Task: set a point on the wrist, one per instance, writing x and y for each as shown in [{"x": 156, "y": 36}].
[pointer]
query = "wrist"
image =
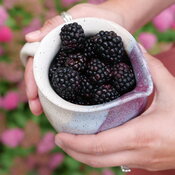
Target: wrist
[
  {"x": 119, "y": 9},
  {"x": 136, "y": 13}
]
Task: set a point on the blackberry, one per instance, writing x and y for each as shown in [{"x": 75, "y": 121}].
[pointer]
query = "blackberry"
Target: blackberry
[
  {"x": 110, "y": 46},
  {"x": 79, "y": 101},
  {"x": 82, "y": 101},
  {"x": 76, "y": 61},
  {"x": 123, "y": 78},
  {"x": 72, "y": 37},
  {"x": 60, "y": 57},
  {"x": 98, "y": 72},
  {"x": 66, "y": 83},
  {"x": 105, "y": 93},
  {"x": 126, "y": 59},
  {"x": 90, "y": 49},
  {"x": 58, "y": 61},
  {"x": 86, "y": 87},
  {"x": 52, "y": 70}
]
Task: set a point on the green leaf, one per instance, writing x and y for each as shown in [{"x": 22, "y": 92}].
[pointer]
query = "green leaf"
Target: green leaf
[
  {"x": 4, "y": 85},
  {"x": 11, "y": 22},
  {"x": 6, "y": 160},
  {"x": 71, "y": 163},
  {"x": 3, "y": 172},
  {"x": 18, "y": 151}
]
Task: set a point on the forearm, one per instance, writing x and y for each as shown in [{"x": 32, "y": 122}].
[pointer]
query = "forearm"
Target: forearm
[{"x": 136, "y": 13}]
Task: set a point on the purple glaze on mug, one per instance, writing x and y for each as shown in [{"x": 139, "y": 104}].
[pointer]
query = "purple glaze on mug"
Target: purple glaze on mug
[{"x": 123, "y": 113}]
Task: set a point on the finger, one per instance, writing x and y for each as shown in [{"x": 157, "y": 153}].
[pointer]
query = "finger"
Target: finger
[
  {"x": 160, "y": 74},
  {"x": 31, "y": 87},
  {"x": 129, "y": 158},
  {"x": 35, "y": 107},
  {"x": 117, "y": 139},
  {"x": 47, "y": 27}
]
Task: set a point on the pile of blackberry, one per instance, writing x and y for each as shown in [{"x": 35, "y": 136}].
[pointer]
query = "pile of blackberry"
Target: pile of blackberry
[{"x": 90, "y": 70}]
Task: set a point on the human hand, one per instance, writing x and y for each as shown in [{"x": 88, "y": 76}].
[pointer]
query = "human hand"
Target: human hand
[
  {"x": 81, "y": 10},
  {"x": 146, "y": 142}
]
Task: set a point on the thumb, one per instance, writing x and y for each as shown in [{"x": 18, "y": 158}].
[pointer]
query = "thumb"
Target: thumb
[
  {"x": 47, "y": 27},
  {"x": 160, "y": 74}
]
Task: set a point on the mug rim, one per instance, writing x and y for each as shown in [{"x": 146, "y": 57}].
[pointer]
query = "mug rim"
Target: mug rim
[{"x": 88, "y": 108}]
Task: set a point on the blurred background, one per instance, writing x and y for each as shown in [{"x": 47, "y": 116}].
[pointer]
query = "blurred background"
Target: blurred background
[{"x": 27, "y": 142}]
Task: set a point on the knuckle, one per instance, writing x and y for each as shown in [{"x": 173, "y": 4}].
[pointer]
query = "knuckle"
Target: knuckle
[
  {"x": 48, "y": 22},
  {"x": 98, "y": 148},
  {"x": 144, "y": 139},
  {"x": 51, "y": 22}
]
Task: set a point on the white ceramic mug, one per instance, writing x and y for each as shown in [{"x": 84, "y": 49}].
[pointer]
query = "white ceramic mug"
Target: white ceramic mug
[{"x": 67, "y": 117}]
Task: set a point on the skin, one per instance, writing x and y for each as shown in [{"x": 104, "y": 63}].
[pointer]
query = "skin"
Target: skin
[{"x": 146, "y": 142}]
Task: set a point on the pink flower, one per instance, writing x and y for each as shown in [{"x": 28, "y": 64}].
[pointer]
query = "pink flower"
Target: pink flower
[
  {"x": 164, "y": 20},
  {"x": 9, "y": 3},
  {"x": 56, "y": 160},
  {"x": 22, "y": 92},
  {"x": 5, "y": 34},
  {"x": 34, "y": 25},
  {"x": 31, "y": 161},
  {"x": 172, "y": 9},
  {"x": 3, "y": 15},
  {"x": 50, "y": 4},
  {"x": 148, "y": 40},
  {"x": 173, "y": 25},
  {"x": 12, "y": 137},
  {"x": 47, "y": 143},
  {"x": 67, "y": 3},
  {"x": 107, "y": 172},
  {"x": 44, "y": 171},
  {"x": 50, "y": 13},
  {"x": 96, "y": 1},
  {"x": 11, "y": 100}
]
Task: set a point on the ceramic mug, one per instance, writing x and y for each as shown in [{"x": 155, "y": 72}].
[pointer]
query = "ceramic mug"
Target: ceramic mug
[{"x": 78, "y": 119}]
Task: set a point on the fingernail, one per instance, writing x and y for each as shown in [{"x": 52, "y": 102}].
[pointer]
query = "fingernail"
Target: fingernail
[
  {"x": 142, "y": 48},
  {"x": 58, "y": 142},
  {"x": 33, "y": 35}
]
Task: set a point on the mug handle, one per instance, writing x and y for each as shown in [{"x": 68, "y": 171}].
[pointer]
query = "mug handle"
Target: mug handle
[{"x": 29, "y": 49}]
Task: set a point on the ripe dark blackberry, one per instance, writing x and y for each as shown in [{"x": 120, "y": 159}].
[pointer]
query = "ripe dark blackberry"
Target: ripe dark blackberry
[
  {"x": 72, "y": 37},
  {"x": 81, "y": 101},
  {"x": 61, "y": 57},
  {"x": 52, "y": 69},
  {"x": 123, "y": 78},
  {"x": 58, "y": 61},
  {"x": 110, "y": 46},
  {"x": 126, "y": 59},
  {"x": 66, "y": 83},
  {"x": 90, "y": 49},
  {"x": 86, "y": 87},
  {"x": 104, "y": 93},
  {"x": 77, "y": 61},
  {"x": 98, "y": 72}
]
